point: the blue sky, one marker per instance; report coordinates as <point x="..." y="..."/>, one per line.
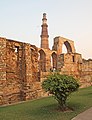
<point x="21" y="20"/>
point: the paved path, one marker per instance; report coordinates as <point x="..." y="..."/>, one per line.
<point x="86" y="115"/>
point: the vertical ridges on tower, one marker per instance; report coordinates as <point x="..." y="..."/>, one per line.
<point x="44" y="33"/>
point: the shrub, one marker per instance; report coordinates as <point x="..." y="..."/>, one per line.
<point x="61" y="86"/>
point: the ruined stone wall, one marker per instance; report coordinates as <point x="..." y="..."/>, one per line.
<point x="2" y="70"/>
<point x="19" y="75"/>
<point x="14" y="79"/>
<point x="32" y="85"/>
<point x="12" y="57"/>
<point x="86" y="73"/>
<point x="46" y="59"/>
<point x="72" y="64"/>
<point x="69" y="63"/>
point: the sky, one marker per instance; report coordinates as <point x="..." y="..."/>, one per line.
<point x="21" y="20"/>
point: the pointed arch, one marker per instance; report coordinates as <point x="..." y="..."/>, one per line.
<point x="42" y="61"/>
<point x="54" y="60"/>
<point x="68" y="47"/>
<point x="60" y="41"/>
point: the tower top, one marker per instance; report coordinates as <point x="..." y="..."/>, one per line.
<point x="44" y="20"/>
<point x="44" y="14"/>
<point x="44" y="33"/>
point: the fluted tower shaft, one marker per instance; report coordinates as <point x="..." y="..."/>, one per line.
<point x="44" y="33"/>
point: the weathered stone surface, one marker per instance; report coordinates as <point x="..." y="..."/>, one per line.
<point x="18" y="71"/>
<point x="23" y="66"/>
<point x="58" y="44"/>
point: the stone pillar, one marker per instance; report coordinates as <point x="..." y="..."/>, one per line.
<point x="31" y="72"/>
<point x="48" y="62"/>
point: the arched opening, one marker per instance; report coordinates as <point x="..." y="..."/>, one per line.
<point x="42" y="61"/>
<point x="64" y="49"/>
<point x="68" y="47"/>
<point x="54" y="60"/>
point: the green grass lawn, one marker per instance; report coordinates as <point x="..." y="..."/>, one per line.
<point x="46" y="108"/>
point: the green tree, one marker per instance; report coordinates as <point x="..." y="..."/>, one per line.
<point x="61" y="86"/>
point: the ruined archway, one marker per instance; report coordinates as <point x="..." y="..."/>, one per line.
<point x="58" y="44"/>
<point x="42" y="61"/>
<point x="54" y="60"/>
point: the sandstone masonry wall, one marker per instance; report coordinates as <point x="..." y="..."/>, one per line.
<point x="19" y="75"/>
<point x="2" y="70"/>
<point x="22" y="71"/>
<point x="86" y="73"/>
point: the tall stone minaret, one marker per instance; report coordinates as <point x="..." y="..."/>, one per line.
<point x="44" y="33"/>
